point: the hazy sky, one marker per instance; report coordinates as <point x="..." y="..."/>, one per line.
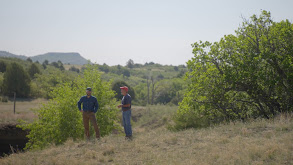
<point x="113" y="31"/>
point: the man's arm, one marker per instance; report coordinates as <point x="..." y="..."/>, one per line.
<point x="96" y="105"/>
<point x="126" y="105"/>
<point x="79" y="103"/>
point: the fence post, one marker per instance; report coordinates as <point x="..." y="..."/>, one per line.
<point x="14" y="102"/>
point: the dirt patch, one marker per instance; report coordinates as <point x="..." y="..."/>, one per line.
<point x="11" y="137"/>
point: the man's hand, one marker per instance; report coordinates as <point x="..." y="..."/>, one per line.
<point x="81" y="111"/>
<point x="119" y="106"/>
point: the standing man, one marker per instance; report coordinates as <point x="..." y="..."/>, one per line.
<point x="89" y="108"/>
<point x="126" y="112"/>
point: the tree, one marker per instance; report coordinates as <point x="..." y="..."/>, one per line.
<point x="2" y="66"/>
<point x="29" y="60"/>
<point x="55" y="64"/>
<point x="60" y="64"/>
<point x="160" y="77"/>
<point x="148" y="88"/>
<point x="33" y="69"/>
<point x="125" y="72"/>
<point x="104" y="68"/>
<point x="176" y="68"/>
<point x="154" y="88"/>
<point x="148" y="83"/>
<point x="130" y="63"/>
<point x="170" y="90"/>
<point x="249" y="74"/>
<point x="116" y="87"/>
<point x="16" y="80"/>
<point x="74" y="69"/>
<point x="141" y="94"/>
<point x="45" y="63"/>
<point x="50" y="78"/>
<point x="60" y="119"/>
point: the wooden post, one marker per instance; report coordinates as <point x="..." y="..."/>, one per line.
<point x="14" y="101"/>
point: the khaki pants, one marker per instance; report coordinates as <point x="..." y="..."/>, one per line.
<point x="90" y="116"/>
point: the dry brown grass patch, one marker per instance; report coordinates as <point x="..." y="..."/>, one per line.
<point x="255" y="142"/>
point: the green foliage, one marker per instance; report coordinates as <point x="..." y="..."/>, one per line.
<point x="130" y="63"/>
<point x="74" y="69"/>
<point x="116" y="87"/>
<point x="190" y="119"/>
<point x="176" y="68"/>
<point x="45" y="63"/>
<point x="58" y="64"/>
<point x="16" y="79"/>
<point x="34" y="69"/>
<point x="60" y="119"/>
<point x="119" y="70"/>
<point x="29" y="60"/>
<point x="1" y="82"/>
<point x="50" y="78"/>
<point x="2" y="66"/>
<point x="249" y="74"/>
<point x="170" y="91"/>
<point x="141" y="94"/>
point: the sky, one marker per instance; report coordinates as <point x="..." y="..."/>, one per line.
<point x="114" y="31"/>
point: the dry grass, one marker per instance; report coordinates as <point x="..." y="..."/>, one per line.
<point x="255" y="142"/>
<point x="23" y="110"/>
<point x="66" y="66"/>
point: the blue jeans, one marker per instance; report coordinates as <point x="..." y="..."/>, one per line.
<point x="126" y="116"/>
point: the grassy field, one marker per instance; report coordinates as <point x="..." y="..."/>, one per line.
<point x="67" y="67"/>
<point x="254" y="142"/>
<point x="23" y="110"/>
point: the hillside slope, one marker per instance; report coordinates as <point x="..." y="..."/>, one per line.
<point x="7" y="54"/>
<point x="66" y="58"/>
<point x="71" y="58"/>
<point x="255" y="142"/>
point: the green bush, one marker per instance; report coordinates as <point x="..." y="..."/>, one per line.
<point x="60" y="119"/>
<point x="247" y="75"/>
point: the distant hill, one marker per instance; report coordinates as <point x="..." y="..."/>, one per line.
<point x="71" y="58"/>
<point x="7" y="54"/>
<point x="66" y="58"/>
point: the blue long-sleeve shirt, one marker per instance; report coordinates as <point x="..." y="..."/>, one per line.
<point x="88" y="104"/>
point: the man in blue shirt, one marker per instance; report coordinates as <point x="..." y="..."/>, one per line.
<point x="126" y="112"/>
<point x="89" y="108"/>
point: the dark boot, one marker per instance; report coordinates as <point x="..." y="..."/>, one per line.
<point x="128" y="137"/>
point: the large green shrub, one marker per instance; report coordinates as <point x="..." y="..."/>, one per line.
<point x="60" y="119"/>
<point x="246" y="75"/>
<point x="16" y="79"/>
